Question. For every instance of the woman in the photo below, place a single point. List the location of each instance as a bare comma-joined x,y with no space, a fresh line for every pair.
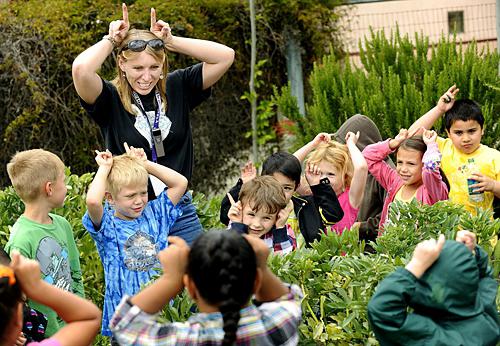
146,107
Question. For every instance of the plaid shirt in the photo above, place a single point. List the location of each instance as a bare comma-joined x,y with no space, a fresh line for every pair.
272,323
280,240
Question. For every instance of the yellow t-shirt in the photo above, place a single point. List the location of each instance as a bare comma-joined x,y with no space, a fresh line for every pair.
454,165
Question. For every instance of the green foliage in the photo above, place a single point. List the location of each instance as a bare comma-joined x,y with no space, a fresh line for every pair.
399,80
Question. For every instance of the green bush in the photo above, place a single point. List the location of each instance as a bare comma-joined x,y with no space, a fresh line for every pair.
397,83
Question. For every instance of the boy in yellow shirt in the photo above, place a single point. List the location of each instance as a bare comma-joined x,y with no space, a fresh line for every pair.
472,168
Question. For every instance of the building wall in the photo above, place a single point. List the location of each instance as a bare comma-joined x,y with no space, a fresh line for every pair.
429,17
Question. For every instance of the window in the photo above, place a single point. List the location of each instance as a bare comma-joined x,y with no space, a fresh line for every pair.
456,22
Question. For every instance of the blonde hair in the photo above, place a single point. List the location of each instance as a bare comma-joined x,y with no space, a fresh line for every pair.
263,193
126,170
338,155
121,83
30,170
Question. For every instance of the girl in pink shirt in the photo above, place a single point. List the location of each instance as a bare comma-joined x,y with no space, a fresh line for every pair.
417,174
347,170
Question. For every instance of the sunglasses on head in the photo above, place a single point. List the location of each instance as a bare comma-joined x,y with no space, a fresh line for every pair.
140,45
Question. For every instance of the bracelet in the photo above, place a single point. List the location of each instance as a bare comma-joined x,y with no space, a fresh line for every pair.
110,39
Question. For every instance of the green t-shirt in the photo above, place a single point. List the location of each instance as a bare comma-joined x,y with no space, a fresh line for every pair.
53,246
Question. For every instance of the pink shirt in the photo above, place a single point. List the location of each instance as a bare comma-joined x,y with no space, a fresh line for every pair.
46,342
350,213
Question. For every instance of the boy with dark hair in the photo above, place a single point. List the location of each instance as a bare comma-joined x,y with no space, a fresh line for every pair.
472,168
307,216
451,291
38,178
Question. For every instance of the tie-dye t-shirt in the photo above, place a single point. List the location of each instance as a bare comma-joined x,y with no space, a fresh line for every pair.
454,164
128,249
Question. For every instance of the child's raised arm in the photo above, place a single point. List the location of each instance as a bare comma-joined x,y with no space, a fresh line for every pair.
97,189
271,288
174,261
82,317
444,104
360,174
306,149
176,182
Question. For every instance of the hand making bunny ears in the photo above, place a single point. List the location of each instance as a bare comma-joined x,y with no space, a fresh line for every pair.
160,28
118,29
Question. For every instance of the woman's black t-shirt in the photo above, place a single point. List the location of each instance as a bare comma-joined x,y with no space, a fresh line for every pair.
184,93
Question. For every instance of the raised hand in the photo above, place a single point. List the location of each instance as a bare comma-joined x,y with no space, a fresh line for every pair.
447,100
351,138
429,136
313,174
136,152
396,142
235,213
160,28
174,258
260,248
283,215
248,172
321,137
468,238
104,158
425,254
27,272
118,29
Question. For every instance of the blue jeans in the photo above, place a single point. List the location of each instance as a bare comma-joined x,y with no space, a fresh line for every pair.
188,226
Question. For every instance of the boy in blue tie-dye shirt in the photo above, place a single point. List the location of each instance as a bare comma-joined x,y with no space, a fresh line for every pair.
129,230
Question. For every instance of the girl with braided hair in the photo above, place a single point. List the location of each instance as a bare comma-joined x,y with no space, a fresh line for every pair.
221,272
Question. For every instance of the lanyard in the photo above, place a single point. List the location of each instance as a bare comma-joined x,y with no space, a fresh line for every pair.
156,122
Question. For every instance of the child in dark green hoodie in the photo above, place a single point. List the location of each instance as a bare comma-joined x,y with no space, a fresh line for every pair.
451,290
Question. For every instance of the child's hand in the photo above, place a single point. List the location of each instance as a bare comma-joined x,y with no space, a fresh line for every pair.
429,136
260,248
321,137
104,158
448,99
484,183
351,138
402,135
248,172
21,339
138,153
235,212
313,174
468,238
27,272
425,254
174,258
283,215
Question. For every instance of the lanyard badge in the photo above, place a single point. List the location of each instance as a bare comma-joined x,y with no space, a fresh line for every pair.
157,149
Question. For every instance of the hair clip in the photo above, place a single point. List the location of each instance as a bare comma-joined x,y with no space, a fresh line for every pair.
7,272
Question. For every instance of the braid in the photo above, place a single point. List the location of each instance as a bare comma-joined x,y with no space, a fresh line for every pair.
217,261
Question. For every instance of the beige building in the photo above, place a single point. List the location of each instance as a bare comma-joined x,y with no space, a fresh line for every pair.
470,19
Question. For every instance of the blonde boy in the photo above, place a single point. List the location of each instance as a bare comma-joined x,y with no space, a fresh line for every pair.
129,230
260,212
38,178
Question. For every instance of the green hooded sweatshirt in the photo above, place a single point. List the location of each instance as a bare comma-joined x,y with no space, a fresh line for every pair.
453,303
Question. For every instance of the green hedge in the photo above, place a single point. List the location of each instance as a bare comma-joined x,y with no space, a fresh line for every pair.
399,80
337,278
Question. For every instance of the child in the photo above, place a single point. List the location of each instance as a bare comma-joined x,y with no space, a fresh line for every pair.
221,272
450,289
308,215
469,165
23,277
129,231
346,170
34,322
417,172
261,212
38,178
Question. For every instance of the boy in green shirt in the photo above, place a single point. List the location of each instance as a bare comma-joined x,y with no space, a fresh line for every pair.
38,178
